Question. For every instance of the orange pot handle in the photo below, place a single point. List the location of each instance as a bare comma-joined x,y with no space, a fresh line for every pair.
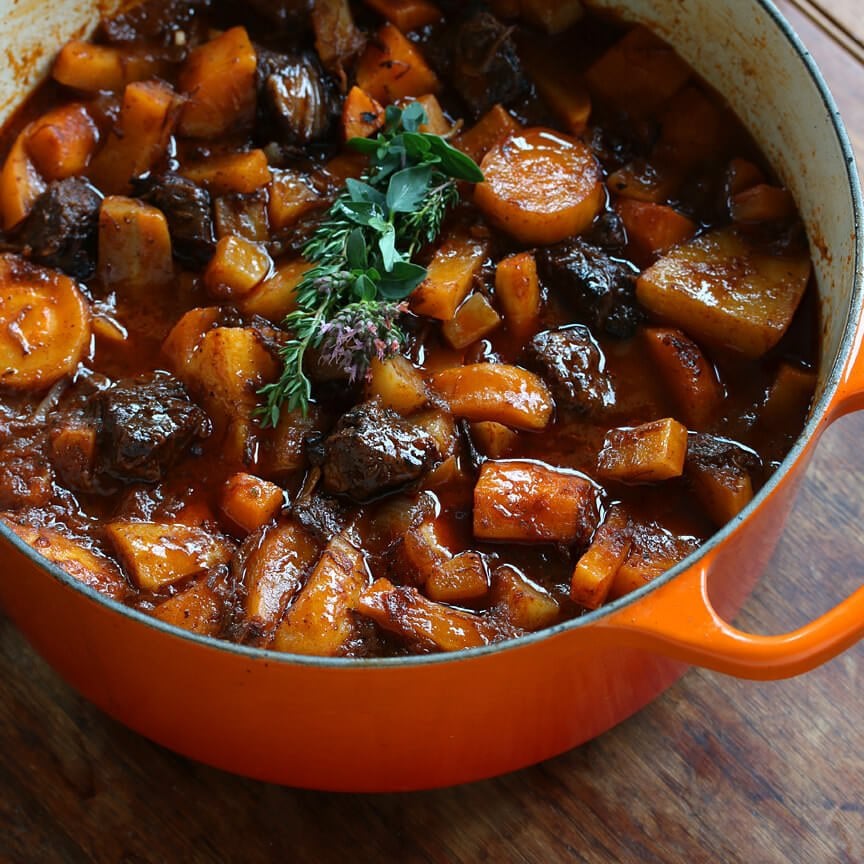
680,622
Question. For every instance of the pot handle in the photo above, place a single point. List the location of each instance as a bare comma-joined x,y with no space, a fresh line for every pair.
681,623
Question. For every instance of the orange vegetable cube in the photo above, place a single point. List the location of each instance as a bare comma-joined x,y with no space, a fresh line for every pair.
198,609
239,173
491,129
362,116
653,228
653,182
450,276
185,337
517,289
789,396
592,578
653,551
407,15
398,384
249,502
762,203
92,68
62,141
527,606
236,267
463,577
392,68
493,439
425,551
291,198
474,319
437,122
644,454
275,297
20,183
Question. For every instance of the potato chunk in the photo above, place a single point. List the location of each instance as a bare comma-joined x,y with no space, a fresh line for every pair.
722,290
156,555
474,319
592,578
236,268
249,502
449,279
398,384
463,577
321,620
644,454
719,472
526,605
198,609
519,501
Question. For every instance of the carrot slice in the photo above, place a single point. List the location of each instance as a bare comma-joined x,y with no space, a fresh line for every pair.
44,325
541,186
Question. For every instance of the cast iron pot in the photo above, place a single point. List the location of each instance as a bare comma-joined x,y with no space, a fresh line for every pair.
410,723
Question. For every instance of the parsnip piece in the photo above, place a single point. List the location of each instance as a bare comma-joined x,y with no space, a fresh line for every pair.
530,502
450,276
20,183
321,620
62,141
425,551
431,625
219,80
198,609
77,560
527,606
474,320
540,186
134,245
491,129
398,384
592,578
275,297
644,454
239,173
44,325
517,289
156,555
236,268
495,391
291,198
493,439
143,130
719,472
721,290
274,563
461,578
687,373
184,339
249,502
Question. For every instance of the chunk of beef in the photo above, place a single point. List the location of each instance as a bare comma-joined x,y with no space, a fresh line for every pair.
373,451
601,288
295,99
157,21
26,477
189,212
607,232
710,452
147,424
62,228
571,362
283,14
478,56
321,515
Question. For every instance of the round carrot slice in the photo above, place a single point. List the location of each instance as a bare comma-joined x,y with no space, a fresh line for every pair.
541,186
44,325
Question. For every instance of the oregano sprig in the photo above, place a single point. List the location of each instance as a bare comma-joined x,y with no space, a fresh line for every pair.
349,303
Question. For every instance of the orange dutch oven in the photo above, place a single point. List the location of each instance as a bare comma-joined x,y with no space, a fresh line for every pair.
420,722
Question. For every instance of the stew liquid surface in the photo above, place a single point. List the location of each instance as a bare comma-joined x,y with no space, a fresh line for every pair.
613,346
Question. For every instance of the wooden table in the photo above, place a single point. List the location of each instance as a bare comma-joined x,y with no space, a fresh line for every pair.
717,770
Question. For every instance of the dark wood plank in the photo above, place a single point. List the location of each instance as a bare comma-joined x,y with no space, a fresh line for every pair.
716,771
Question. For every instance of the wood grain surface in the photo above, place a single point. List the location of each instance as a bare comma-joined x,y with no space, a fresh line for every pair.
717,770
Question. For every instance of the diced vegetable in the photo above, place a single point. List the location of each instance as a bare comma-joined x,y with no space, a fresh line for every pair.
198,609
722,290
450,277
527,606
474,320
140,137
274,569
789,397
20,183
439,424
719,473
275,297
517,289
185,337
693,128
742,175
437,122
74,558
461,578
286,453
425,550
398,384
687,373
249,502
525,502
653,228
156,555
73,452
650,182
219,80
291,198
236,268
44,325
243,216
762,203
540,186
392,68
644,454
493,439
596,569
362,116
494,127
431,625
638,73
134,245
61,142
407,15
496,391
239,173
94,68
337,39
321,620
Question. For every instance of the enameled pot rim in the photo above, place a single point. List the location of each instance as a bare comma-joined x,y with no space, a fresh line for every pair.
811,429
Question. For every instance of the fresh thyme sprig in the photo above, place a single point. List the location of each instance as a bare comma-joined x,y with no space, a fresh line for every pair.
349,303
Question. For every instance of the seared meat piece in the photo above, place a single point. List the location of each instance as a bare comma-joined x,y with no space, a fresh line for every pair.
61,229
26,478
147,424
189,212
372,451
478,56
570,361
157,21
601,288
321,515
294,97
283,14
608,232
720,455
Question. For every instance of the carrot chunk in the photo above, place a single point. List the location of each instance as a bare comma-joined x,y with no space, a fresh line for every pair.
362,116
592,578
491,129
275,297
653,228
392,68
62,141
92,68
250,502
474,319
644,454
20,183
239,173
407,15
291,198
517,288
198,609
519,501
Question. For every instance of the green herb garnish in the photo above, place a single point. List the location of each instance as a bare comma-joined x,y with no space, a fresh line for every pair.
349,303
